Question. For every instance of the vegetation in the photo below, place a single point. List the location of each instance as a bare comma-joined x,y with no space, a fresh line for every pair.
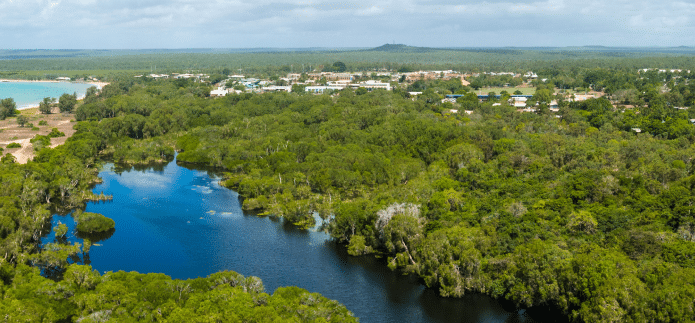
45,106
86,296
13,145
8,108
88,222
55,133
67,102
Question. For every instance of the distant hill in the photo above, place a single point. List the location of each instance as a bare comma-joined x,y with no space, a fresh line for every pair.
401,48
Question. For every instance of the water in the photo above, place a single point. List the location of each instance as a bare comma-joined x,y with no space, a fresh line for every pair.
27,94
182,223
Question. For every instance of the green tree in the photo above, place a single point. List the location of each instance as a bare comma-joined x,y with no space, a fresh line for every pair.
22,120
46,104
67,102
339,67
60,230
8,108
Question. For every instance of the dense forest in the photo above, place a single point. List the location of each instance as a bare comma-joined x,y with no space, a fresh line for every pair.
573,210
42,64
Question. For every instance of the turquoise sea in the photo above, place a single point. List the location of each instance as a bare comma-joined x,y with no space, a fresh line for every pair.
27,94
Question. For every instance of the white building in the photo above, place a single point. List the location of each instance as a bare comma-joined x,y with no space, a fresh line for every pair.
218,92
277,88
322,88
372,85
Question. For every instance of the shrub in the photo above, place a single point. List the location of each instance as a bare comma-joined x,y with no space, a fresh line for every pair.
89,222
43,123
14,145
56,133
40,142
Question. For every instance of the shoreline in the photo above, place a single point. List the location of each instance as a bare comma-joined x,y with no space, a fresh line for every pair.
100,85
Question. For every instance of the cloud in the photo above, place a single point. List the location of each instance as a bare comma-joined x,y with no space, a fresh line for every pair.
349,23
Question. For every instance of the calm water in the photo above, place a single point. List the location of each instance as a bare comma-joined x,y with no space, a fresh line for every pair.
182,223
31,93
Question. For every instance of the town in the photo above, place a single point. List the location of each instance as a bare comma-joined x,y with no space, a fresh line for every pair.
526,92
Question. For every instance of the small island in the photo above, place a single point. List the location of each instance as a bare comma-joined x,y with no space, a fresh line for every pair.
88,222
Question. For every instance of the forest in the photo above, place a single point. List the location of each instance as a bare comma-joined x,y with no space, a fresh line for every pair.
47,64
574,210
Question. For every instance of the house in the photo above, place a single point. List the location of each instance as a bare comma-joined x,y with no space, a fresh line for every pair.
531,75
218,92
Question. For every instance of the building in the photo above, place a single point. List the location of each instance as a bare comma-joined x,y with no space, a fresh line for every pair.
63,78
277,88
218,92
372,85
322,88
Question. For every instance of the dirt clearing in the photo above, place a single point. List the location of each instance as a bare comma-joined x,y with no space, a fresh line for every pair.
11,132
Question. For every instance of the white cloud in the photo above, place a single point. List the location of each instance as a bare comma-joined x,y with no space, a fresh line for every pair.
371,11
310,23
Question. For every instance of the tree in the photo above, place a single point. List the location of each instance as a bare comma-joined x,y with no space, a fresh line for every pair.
22,120
339,67
45,105
90,96
67,102
61,230
8,108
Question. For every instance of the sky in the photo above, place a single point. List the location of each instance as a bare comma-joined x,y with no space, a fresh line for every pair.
140,24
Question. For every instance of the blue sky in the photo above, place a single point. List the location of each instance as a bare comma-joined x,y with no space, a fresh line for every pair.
134,24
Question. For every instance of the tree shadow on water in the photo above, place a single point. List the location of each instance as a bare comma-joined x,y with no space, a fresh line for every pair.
96,236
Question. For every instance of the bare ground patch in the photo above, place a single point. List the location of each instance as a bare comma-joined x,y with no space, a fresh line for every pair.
11,132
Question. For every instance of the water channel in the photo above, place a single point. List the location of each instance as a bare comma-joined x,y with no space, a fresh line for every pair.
181,222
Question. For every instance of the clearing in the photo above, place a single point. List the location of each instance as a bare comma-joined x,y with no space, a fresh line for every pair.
11,132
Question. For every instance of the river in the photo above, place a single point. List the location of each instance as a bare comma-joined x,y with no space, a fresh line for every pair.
181,222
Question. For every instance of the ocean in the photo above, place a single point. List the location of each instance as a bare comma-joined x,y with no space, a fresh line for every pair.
27,94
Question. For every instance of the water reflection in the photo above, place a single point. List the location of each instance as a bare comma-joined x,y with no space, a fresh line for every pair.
95,236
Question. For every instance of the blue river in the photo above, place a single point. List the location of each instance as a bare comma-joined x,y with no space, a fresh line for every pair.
181,222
